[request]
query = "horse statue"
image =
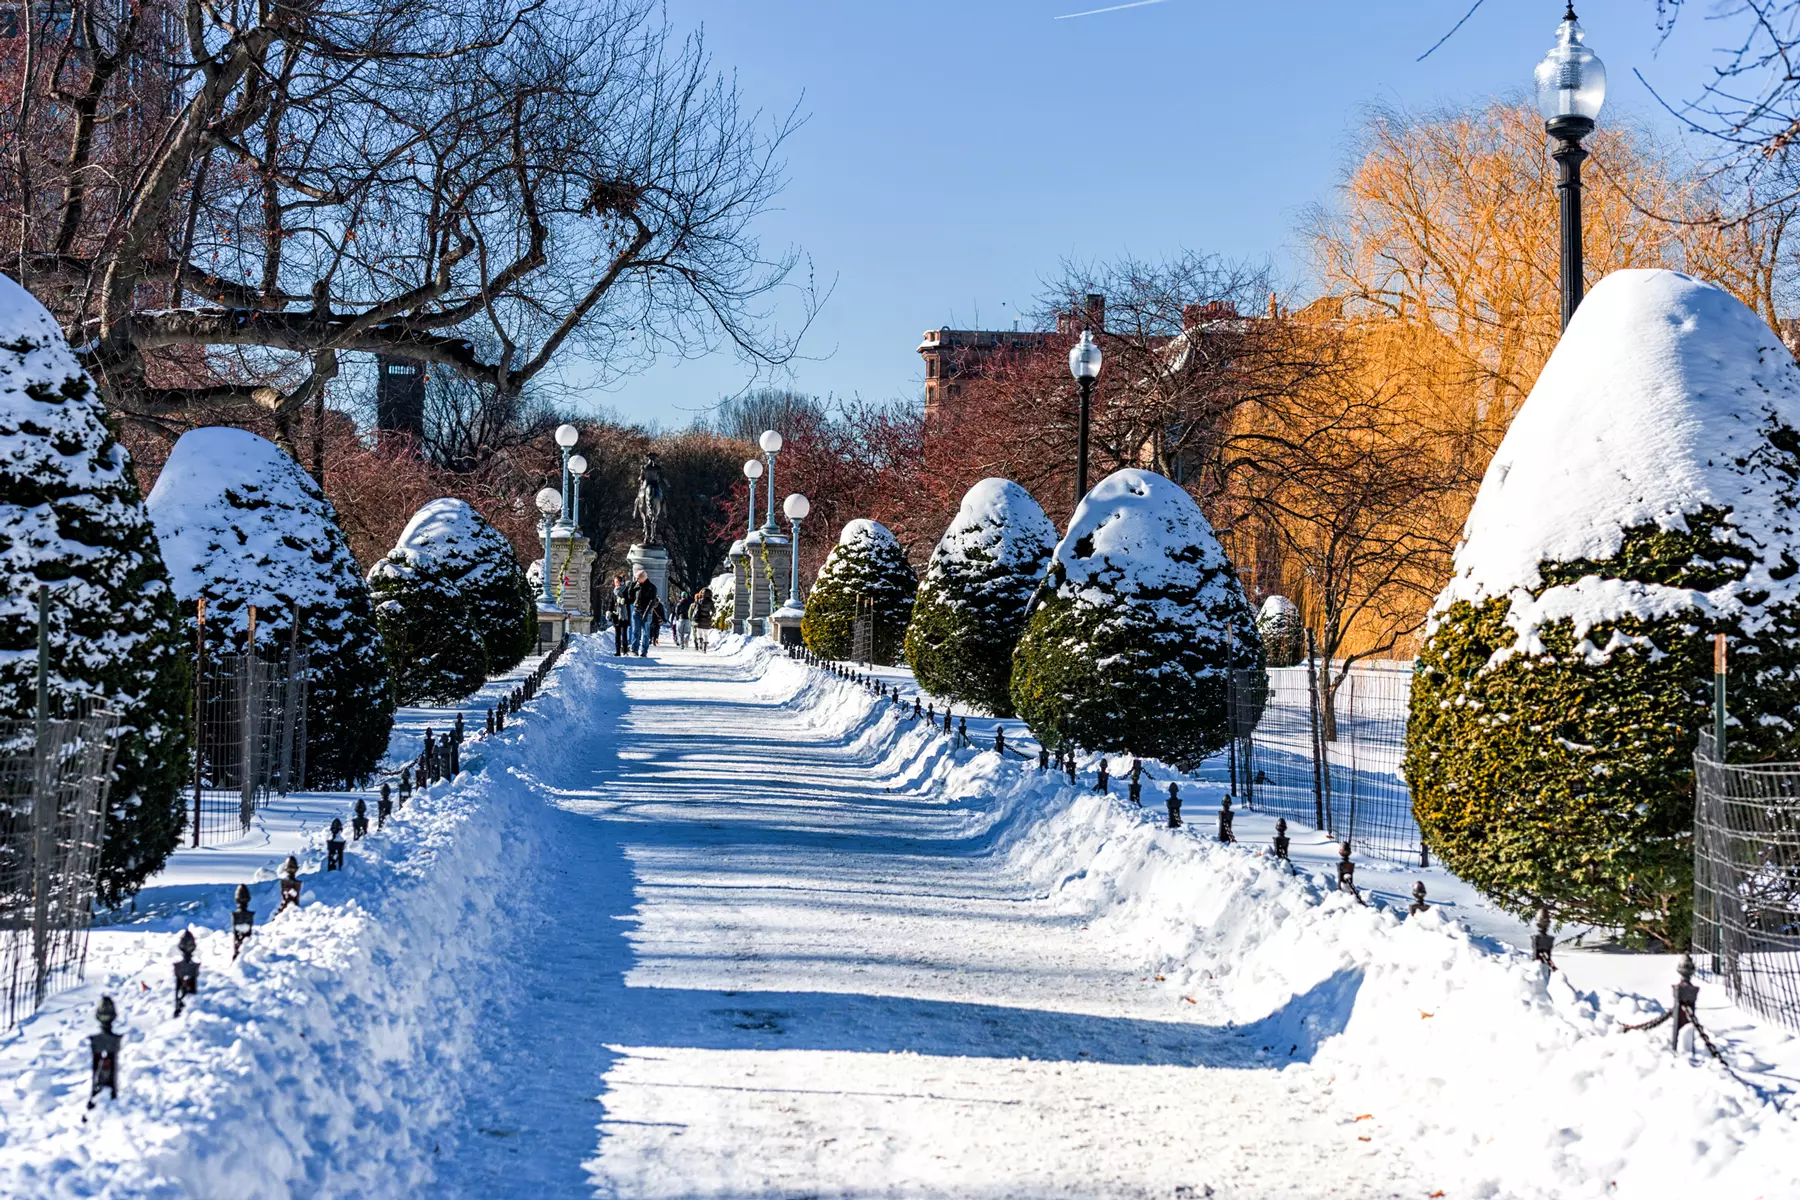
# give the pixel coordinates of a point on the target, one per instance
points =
(649, 505)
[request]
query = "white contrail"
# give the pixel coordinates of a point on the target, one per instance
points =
(1115, 8)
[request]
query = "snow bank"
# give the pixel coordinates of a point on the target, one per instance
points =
(1508, 1082)
(1659, 401)
(326, 1059)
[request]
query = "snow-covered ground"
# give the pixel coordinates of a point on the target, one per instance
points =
(721, 926)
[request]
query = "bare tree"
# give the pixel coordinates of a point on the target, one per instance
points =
(219, 199)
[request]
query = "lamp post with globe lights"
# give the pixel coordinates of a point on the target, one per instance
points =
(1084, 365)
(770, 441)
(566, 437)
(578, 466)
(549, 503)
(753, 470)
(1571, 86)
(796, 507)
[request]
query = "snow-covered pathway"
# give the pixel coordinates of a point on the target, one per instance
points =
(784, 966)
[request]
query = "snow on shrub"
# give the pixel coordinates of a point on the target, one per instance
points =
(240, 524)
(1643, 499)
(452, 604)
(866, 562)
(1135, 626)
(972, 601)
(724, 594)
(72, 518)
(1282, 635)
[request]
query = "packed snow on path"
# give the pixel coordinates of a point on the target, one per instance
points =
(722, 926)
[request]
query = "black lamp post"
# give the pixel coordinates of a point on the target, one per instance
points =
(1571, 85)
(1084, 365)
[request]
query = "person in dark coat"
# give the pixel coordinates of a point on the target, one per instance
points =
(618, 607)
(643, 614)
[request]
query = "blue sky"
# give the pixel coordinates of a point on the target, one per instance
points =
(954, 153)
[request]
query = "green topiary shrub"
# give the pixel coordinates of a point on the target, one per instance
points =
(452, 604)
(1135, 627)
(866, 562)
(1282, 634)
(724, 594)
(71, 518)
(1643, 499)
(240, 524)
(972, 601)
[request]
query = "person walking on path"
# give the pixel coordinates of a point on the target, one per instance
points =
(643, 614)
(618, 607)
(684, 620)
(659, 616)
(703, 616)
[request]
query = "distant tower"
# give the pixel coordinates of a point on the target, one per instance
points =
(400, 396)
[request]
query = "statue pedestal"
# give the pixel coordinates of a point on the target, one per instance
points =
(654, 562)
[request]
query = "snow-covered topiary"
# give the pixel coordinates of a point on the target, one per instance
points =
(1283, 636)
(240, 524)
(867, 562)
(452, 603)
(1643, 499)
(972, 601)
(71, 518)
(1136, 624)
(724, 594)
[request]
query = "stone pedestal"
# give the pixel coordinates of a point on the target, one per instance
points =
(553, 625)
(785, 622)
(740, 596)
(652, 561)
(573, 561)
(762, 578)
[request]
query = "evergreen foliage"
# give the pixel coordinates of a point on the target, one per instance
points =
(240, 523)
(1136, 624)
(452, 604)
(972, 601)
(1642, 501)
(866, 562)
(72, 518)
(1283, 636)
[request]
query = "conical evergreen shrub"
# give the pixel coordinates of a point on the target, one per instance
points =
(866, 562)
(1136, 624)
(1283, 636)
(71, 518)
(972, 601)
(452, 604)
(1643, 499)
(240, 523)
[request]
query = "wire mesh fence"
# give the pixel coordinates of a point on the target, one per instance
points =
(1326, 750)
(54, 776)
(1747, 879)
(249, 739)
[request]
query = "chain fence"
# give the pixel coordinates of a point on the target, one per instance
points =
(1326, 750)
(249, 739)
(1747, 879)
(54, 777)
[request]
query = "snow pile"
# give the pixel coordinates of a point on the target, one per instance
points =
(1659, 401)
(328, 1058)
(1501, 1078)
(1140, 539)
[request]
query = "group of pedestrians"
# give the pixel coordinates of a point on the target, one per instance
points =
(639, 614)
